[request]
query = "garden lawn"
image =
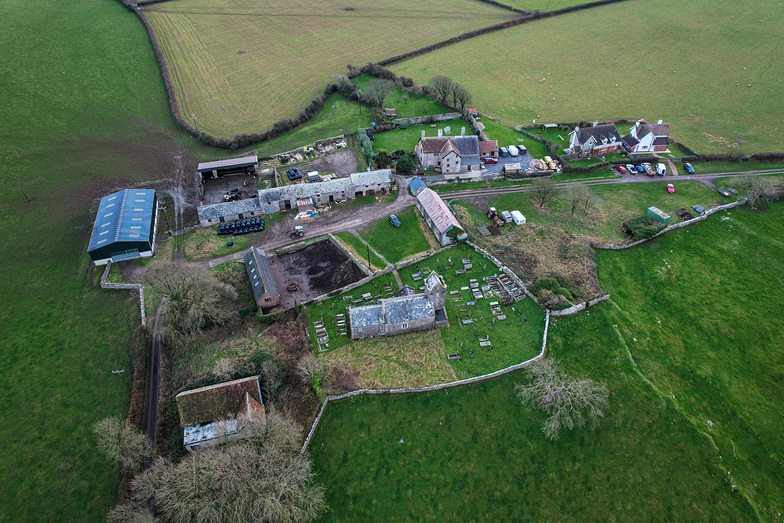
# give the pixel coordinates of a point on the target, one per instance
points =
(239, 68)
(728, 105)
(397, 243)
(360, 250)
(407, 105)
(84, 113)
(508, 136)
(406, 139)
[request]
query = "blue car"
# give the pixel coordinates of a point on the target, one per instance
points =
(689, 168)
(640, 168)
(393, 220)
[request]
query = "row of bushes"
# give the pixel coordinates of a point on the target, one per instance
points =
(367, 145)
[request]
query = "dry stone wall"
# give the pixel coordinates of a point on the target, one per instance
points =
(125, 286)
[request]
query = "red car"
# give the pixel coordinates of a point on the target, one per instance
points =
(670, 188)
(621, 169)
(491, 160)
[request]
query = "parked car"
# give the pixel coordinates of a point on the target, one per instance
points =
(670, 188)
(491, 160)
(661, 170)
(631, 168)
(621, 169)
(640, 168)
(689, 168)
(393, 220)
(504, 152)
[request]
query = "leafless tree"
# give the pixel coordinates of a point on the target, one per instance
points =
(122, 443)
(377, 90)
(758, 190)
(260, 478)
(579, 198)
(309, 367)
(544, 191)
(193, 296)
(566, 401)
(443, 86)
(459, 97)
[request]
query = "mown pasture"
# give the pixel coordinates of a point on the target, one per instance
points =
(582, 66)
(83, 112)
(694, 372)
(240, 68)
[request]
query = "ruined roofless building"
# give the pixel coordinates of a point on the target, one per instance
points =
(410, 313)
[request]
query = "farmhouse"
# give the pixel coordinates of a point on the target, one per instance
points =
(265, 290)
(592, 141)
(220, 168)
(124, 227)
(643, 138)
(220, 413)
(449, 154)
(438, 217)
(401, 314)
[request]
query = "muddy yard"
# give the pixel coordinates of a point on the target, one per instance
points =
(341, 162)
(216, 188)
(317, 269)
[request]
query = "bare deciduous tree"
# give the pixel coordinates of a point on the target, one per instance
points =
(260, 478)
(459, 97)
(309, 367)
(544, 191)
(377, 90)
(443, 86)
(193, 297)
(579, 197)
(566, 401)
(758, 190)
(122, 443)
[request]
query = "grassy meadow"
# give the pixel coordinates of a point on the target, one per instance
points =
(397, 243)
(695, 378)
(674, 76)
(83, 112)
(239, 67)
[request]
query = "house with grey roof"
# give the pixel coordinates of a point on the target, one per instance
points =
(265, 290)
(439, 217)
(221, 413)
(402, 314)
(646, 138)
(124, 227)
(449, 154)
(593, 141)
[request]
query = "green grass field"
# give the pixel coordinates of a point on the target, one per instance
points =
(694, 373)
(687, 87)
(407, 105)
(397, 243)
(360, 249)
(406, 139)
(83, 112)
(508, 136)
(541, 5)
(241, 67)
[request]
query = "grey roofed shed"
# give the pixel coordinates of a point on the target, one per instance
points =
(245, 161)
(260, 275)
(124, 226)
(221, 210)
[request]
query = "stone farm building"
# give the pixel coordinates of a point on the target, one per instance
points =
(646, 138)
(593, 141)
(402, 314)
(438, 217)
(265, 290)
(124, 227)
(449, 154)
(220, 168)
(220, 413)
(298, 195)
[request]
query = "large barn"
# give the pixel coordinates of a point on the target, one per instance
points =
(265, 290)
(219, 168)
(124, 227)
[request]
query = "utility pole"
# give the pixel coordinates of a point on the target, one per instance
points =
(119, 373)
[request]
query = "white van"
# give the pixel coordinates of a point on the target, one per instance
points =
(661, 170)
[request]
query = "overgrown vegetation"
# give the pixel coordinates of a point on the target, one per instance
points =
(643, 227)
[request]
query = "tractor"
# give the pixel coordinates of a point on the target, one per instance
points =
(493, 215)
(297, 232)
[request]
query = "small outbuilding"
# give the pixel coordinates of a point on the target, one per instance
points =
(265, 290)
(221, 413)
(416, 185)
(124, 227)
(658, 213)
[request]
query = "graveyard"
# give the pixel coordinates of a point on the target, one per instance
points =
(492, 325)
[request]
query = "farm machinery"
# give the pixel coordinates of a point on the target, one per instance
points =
(297, 232)
(492, 213)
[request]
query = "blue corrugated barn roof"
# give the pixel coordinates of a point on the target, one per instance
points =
(124, 216)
